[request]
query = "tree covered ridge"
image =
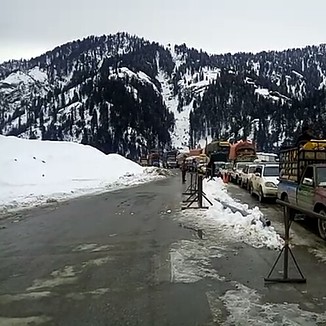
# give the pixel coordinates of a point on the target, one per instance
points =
(89, 98)
(105, 91)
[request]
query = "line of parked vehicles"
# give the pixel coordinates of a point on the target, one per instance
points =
(297, 177)
(174, 159)
(259, 177)
(158, 158)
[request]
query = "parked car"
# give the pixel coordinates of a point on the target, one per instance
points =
(219, 167)
(236, 170)
(264, 181)
(171, 164)
(246, 174)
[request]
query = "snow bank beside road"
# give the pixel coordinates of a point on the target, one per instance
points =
(249, 228)
(33, 171)
(221, 223)
(221, 230)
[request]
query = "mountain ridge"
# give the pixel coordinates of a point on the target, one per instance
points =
(124, 94)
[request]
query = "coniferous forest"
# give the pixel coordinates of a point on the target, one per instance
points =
(121, 93)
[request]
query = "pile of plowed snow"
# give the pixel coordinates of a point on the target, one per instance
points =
(32, 171)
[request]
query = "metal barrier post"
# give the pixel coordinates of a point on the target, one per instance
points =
(287, 225)
(192, 187)
(196, 193)
(200, 191)
(286, 249)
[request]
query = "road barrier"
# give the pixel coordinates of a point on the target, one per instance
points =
(195, 192)
(289, 210)
(288, 219)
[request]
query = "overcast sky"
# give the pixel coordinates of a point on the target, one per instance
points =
(30, 27)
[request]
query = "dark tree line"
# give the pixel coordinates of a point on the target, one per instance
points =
(95, 94)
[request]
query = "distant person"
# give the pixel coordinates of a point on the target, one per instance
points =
(194, 165)
(183, 170)
(210, 169)
(213, 170)
(306, 135)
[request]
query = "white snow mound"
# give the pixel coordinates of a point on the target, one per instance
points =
(32, 171)
(248, 229)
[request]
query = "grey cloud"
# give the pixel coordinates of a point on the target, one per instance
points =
(213, 25)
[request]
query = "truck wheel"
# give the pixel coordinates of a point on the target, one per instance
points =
(261, 197)
(322, 225)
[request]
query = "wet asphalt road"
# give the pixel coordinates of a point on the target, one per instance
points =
(101, 260)
(106, 260)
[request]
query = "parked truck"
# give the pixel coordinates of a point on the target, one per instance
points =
(218, 153)
(154, 158)
(243, 150)
(170, 159)
(143, 161)
(303, 179)
(218, 150)
(241, 153)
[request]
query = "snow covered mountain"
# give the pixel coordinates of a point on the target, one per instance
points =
(121, 93)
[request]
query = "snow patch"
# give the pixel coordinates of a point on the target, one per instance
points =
(33, 75)
(319, 253)
(37, 74)
(232, 226)
(194, 83)
(190, 262)
(248, 229)
(245, 308)
(180, 136)
(297, 74)
(262, 91)
(124, 71)
(34, 171)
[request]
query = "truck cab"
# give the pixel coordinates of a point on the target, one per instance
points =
(154, 159)
(303, 179)
(311, 191)
(170, 160)
(143, 161)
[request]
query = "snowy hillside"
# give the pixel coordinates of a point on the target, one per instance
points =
(102, 93)
(34, 171)
(123, 94)
(191, 88)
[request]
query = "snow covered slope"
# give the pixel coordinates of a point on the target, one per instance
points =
(124, 94)
(32, 171)
(191, 88)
